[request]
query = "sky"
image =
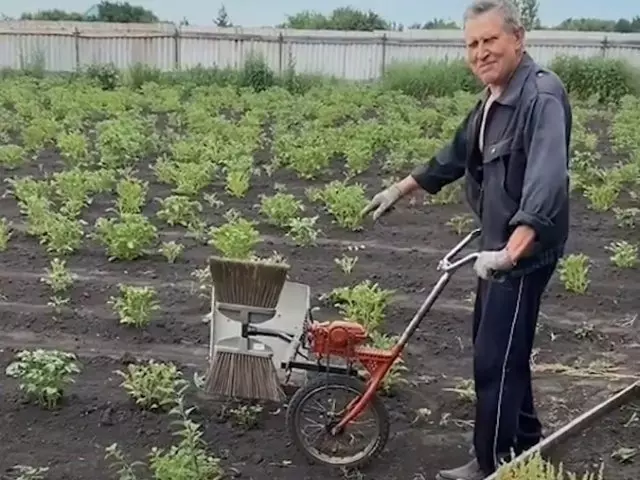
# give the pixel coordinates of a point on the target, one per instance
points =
(257, 13)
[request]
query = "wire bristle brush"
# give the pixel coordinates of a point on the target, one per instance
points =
(241, 367)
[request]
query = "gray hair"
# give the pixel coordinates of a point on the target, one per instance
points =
(509, 11)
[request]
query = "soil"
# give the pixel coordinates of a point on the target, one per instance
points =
(400, 252)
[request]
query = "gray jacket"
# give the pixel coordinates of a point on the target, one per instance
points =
(522, 174)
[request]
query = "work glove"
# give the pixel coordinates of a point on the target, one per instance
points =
(491, 262)
(383, 201)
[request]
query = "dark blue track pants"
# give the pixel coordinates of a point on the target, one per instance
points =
(504, 326)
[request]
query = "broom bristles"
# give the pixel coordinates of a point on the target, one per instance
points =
(250, 283)
(243, 375)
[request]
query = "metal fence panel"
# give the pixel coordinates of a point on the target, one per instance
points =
(67, 46)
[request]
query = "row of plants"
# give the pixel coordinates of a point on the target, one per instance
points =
(44, 377)
(602, 79)
(105, 136)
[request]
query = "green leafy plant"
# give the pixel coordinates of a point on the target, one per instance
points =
(186, 460)
(246, 416)
(44, 375)
(280, 208)
(131, 195)
(624, 254)
(364, 303)
(303, 231)
(461, 224)
(171, 250)
(238, 181)
(574, 272)
(60, 234)
(127, 236)
(154, 386)
(346, 263)
(73, 147)
(25, 472)
(344, 202)
(12, 156)
(602, 197)
(236, 238)
(59, 279)
(626, 217)
(135, 305)
(181, 210)
(5, 234)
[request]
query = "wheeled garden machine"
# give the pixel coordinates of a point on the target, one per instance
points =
(336, 417)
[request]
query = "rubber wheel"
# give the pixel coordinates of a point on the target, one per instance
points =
(355, 387)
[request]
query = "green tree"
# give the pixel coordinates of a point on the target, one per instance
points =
(115, 12)
(222, 20)
(54, 15)
(623, 25)
(344, 18)
(435, 24)
(529, 13)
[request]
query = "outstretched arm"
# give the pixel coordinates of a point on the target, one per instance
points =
(447, 166)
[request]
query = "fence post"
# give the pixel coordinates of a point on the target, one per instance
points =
(176, 45)
(76, 44)
(604, 47)
(280, 52)
(383, 65)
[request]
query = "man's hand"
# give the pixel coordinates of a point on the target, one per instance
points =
(493, 261)
(383, 201)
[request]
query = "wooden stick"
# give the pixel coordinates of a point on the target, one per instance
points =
(574, 427)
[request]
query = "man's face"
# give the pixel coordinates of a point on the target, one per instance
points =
(492, 50)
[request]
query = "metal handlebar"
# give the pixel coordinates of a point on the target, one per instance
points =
(447, 265)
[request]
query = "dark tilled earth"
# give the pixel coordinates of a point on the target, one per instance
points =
(430, 426)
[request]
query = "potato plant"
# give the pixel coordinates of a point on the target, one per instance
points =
(236, 238)
(154, 386)
(171, 250)
(181, 210)
(44, 375)
(131, 196)
(303, 230)
(135, 305)
(281, 208)
(6, 233)
(59, 279)
(623, 254)
(187, 459)
(12, 156)
(127, 236)
(364, 303)
(344, 202)
(346, 263)
(461, 224)
(73, 147)
(574, 272)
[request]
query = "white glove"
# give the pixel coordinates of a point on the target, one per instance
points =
(492, 261)
(383, 202)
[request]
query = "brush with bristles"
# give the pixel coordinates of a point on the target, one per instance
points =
(256, 283)
(240, 367)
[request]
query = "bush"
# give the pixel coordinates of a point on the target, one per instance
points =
(608, 80)
(431, 78)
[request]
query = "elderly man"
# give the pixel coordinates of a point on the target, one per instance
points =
(513, 151)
